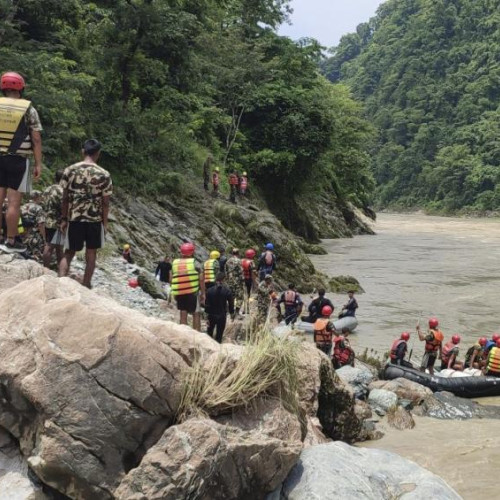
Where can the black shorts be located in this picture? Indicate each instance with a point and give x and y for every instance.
(90, 234)
(15, 173)
(187, 302)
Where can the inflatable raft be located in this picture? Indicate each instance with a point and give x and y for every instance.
(463, 386)
(303, 326)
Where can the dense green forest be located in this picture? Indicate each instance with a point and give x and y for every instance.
(164, 83)
(428, 72)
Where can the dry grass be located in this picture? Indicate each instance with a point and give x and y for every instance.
(267, 367)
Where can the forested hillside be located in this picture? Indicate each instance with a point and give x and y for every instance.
(164, 83)
(428, 72)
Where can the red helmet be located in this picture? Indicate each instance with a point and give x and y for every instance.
(405, 336)
(12, 81)
(433, 323)
(483, 341)
(495, 337)
(455, 339)
(498, 342)
(250, 253)
(326, 311)
(187, 249)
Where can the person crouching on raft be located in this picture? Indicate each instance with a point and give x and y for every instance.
(399, 349)
(449, 355)
(324, 330)
(342, 352)
(433, 345)
(492, 368)
(475, 355)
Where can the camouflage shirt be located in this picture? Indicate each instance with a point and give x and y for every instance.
(33, 120)
(234, 276)
(52, 205)
(32, 214)
(87, 184)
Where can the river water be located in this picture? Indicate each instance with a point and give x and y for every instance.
(414, 268)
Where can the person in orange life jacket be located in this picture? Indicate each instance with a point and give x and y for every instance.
(342, 352)
(324, 330)
(218, 301)
(233, 185)
(349, 309)
(433, 345)
(316, 306)
(249, 272)
(20, 139)
(215, 180)
(293, 304)
(267, 262)
(449, 355)
(475, 357)
(188, 286)
(399, 349)
(243, 184)
(492, 368)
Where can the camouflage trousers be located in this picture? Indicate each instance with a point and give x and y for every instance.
(35, 244)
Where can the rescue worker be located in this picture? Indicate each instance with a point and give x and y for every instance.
(316, 306)
(243, 184)
(215, 181)
(206, 171)
(249, 276)
(233, 186)
(52, 206)
(433, 345)
(211, 269)
(234, 278)
(188, 286)
(218, 302)
(324, 331)
(127, 253)
(20, 139)
(265, 294)
(475, 355)
(492, 342)
(399, 349)
(222, 260)
(449, 355)
(293, 304)
(342, 352)
(33, 218)
(163, 274)
(492, 367)
(349, 308)
(267, 261)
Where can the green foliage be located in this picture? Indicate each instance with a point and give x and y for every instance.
(428, 73)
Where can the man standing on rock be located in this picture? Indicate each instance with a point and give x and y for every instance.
(219, 300)
(87, 189)
(235, 278)
(20, 139)
(52, 206)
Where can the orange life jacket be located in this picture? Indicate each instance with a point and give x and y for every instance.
(394, 348)
(321, 334)
(434, 344)
(247, 265)
(215, 179)
(447, 351)
(243, 182)
(233, 179)
(341, 352)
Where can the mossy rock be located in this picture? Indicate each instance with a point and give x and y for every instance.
(342, 284)
(150, 286)
(312, 249)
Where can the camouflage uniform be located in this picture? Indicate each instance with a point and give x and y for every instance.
(86, 183)
(32, 215)
(264, 291)
(234, 279)
(52, 206)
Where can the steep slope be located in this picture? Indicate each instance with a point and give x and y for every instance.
(429, 75)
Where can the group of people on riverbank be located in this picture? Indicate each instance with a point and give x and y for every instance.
(483, 355)
(238, 182)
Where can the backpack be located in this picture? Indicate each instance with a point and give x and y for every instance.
(269, 258)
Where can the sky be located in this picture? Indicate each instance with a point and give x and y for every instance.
(327, 20)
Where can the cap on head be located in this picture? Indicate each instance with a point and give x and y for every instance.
(405, 336)
(433, 323)
(456, 339)
(91, 147)
(483, 341)
(326, 311)
(214, 254)
(269, 246)
(12, 81)
(187, 249)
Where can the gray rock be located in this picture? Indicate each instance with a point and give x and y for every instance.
(400, 419)
(339, 471)
(381, 400)
(359, 377)
(405, 389)
(446, 406)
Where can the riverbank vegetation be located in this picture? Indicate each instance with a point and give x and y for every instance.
(428, 74)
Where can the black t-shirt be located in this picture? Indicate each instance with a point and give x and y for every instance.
(218, 299)
(163, 269)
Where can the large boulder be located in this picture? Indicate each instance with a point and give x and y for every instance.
(337, 470)
(86, 387)
(14, 269)
(359, 378)
(404, 389)
(205, 460)
(381, 401)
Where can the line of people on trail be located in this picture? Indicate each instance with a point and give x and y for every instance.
(69, 215)
(483, 355)
(238, 183)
